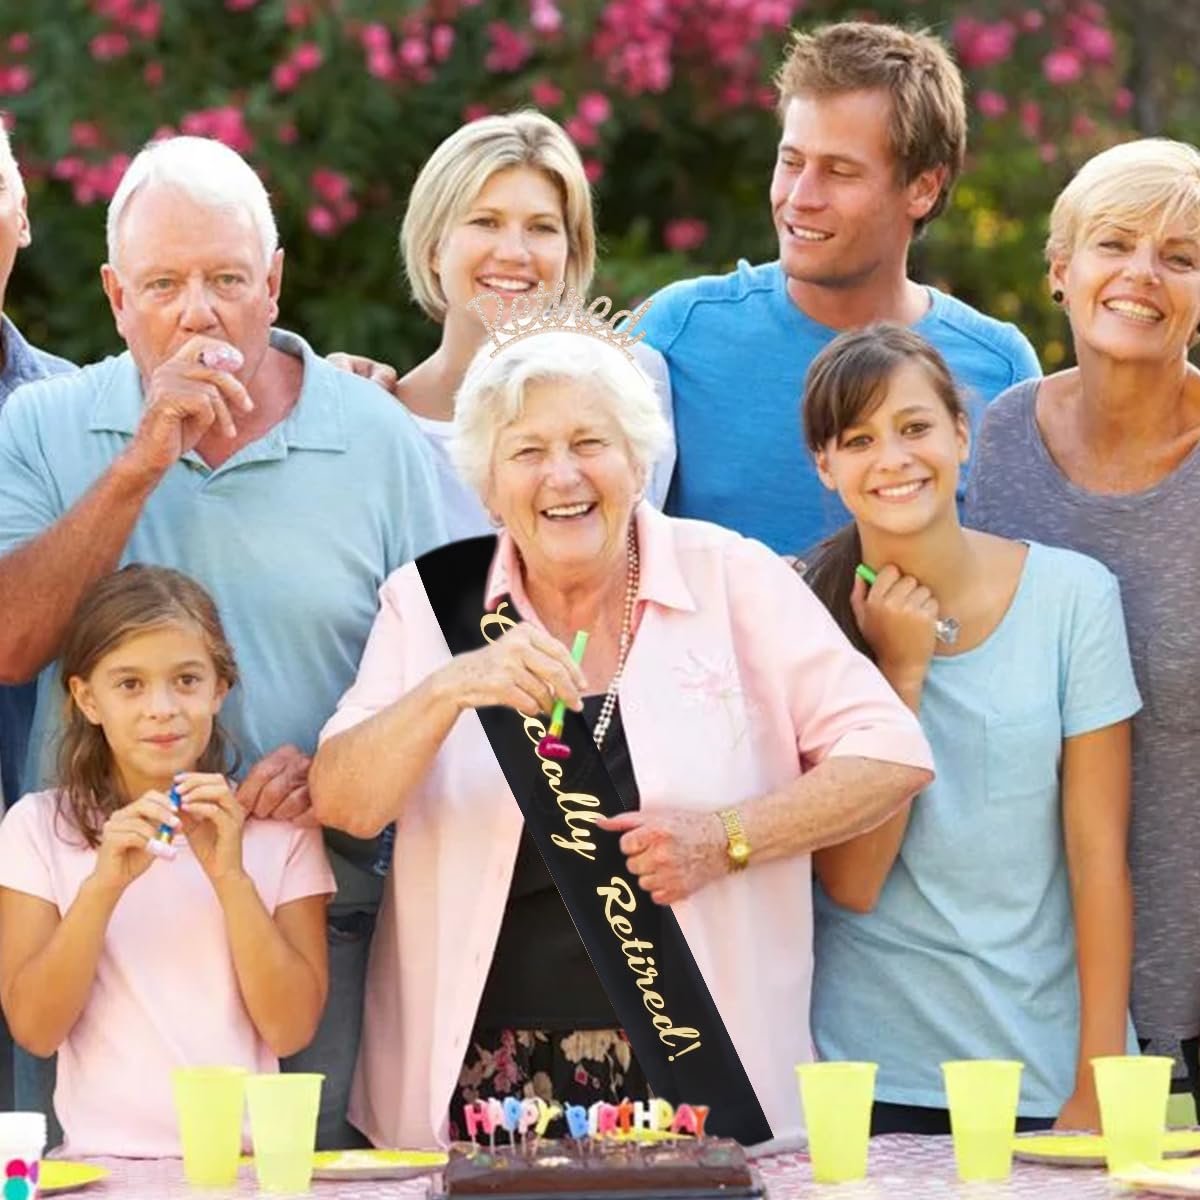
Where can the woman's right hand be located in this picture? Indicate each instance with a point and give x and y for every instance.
(526, 669)
(122, 855)
(898, 617)
(366, 368)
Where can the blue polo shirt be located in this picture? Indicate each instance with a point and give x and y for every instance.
(738, 348)
(23, 363)
(293, 536)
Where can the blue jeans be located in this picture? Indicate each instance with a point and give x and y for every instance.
(334, 1050)
(33, 1088)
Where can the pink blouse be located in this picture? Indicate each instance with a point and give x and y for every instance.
(738, 680)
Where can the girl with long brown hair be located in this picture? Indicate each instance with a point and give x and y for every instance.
(946, 933)
(145, 923)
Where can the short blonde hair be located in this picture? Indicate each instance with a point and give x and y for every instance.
(928, 123)
(457, 172)
(1146, 184)
(492, 396)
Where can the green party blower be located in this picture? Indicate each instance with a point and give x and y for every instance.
(945, 629)
(552, 745)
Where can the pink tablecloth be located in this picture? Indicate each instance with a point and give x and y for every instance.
(901, 1167)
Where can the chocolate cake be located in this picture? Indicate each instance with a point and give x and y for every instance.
(605, 1167)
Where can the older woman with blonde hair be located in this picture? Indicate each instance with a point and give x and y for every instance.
(634, 918)
(501, 206)
(1102, 458)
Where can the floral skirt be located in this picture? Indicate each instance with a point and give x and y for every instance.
(569, 1066)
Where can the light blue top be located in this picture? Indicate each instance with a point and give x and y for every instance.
(293, 535)
(738, 349)
(970, 952)
(23, 363)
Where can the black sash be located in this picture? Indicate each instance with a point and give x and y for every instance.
(636, 946)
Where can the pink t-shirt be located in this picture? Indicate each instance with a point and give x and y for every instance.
(165, 993)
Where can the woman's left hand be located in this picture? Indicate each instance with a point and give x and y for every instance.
(672, 853)
(1081, 1111)
(212, 823)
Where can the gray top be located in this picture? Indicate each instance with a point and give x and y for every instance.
(1147, 539)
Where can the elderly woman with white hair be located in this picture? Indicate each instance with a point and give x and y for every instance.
(502, 206)
(1102, 458)
(720, 729)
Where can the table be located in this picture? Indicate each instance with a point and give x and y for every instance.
(902, 1167)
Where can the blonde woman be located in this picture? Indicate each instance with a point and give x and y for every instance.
(502, 206)
(1102, 458)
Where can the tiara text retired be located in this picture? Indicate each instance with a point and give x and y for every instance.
(550, 312)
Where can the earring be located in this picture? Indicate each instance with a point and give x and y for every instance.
(1057, 296)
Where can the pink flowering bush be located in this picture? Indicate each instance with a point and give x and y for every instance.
(338, 102)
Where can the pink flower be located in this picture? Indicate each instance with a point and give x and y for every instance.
(581, 133)
(1122, 101)
(684, 233)
(510, 50)
(545, 19)
(17, 80)
(1032, 20)
(1082, 126)
(285, 76)
(413, 52)
(982, 44)
(1031, 119)
(1048, 152)
(544, 93)
(152, 73)
(991, 104)
(68, 167)
(227, 124)
(381, 64)
(441, 41)
(287, 133)
(1094, 42)
(297, 15)
(375, 37)
(473, 112)
(19, 43)
(593, 169)
(1062, 66)
(595, 108)
(106, 46)
(347, 211)
(330, 186)
(147, 20)
(321, 221)
(85, 134)
(307, 57)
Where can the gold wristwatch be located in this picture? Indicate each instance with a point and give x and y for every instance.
(737, 849)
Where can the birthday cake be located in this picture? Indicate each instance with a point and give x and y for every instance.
(691, 1167)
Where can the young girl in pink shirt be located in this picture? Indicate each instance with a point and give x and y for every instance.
(127, 953)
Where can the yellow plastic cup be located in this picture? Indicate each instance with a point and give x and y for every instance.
(210, 1102)
(982, 1095)
(283, 1120)
(837, 1099)
(1133, 1092)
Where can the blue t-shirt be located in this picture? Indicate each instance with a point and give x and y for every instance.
(738, 349)
(970, 951)
(293, 536)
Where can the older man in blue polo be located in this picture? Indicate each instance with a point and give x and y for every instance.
(224, 447)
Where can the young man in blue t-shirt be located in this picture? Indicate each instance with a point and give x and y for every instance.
(874, 130)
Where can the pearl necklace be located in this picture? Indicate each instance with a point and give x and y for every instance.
(631, 590)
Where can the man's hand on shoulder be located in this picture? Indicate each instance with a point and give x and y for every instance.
(189, 394)
(276, 787)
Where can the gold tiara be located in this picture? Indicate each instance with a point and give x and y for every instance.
(551, 312)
